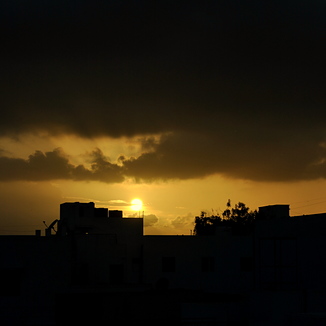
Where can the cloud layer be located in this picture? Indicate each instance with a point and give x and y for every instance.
(236, 88)
(169, 160)
(55, 165)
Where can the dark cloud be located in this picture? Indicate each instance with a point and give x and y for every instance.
(101, 169)
(55, 165)
(238, 87)
(280, 157)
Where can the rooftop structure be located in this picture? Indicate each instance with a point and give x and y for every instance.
(274, 211)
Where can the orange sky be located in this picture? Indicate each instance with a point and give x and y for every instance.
(181, 104)
(169, 206)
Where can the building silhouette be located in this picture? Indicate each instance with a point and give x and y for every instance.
(93, 265)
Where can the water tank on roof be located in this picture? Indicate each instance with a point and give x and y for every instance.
(101, 212)
(273, 211)
(76, 210)
(115, 213)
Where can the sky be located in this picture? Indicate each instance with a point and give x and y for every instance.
(182, 104)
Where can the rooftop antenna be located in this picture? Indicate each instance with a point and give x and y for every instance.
(50, 227)
(141, 214)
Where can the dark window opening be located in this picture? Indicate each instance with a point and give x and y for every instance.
(246, 264)
(79, 274)
(278, 267)
(168, 264)
(10, 281)
(207, 264)
(116, 274)
(136, 264)
(81, 211)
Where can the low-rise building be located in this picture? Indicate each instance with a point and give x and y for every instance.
(96, 266)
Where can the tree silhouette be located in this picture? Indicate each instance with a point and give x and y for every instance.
(205, 225)
(240, 219)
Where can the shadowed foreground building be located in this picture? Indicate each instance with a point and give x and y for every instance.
(98, 267)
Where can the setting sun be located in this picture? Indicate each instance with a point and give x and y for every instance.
(136, 204)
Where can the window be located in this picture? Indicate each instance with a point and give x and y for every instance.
(81, 211)
(10, 281)
(207, 264)
(116, 274)
(136, 265)
(246, 264)
(168, 264)
(79, 273)
(278, 263)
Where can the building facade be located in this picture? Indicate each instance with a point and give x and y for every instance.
(95, 265)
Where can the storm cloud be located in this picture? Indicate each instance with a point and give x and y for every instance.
(235, 88)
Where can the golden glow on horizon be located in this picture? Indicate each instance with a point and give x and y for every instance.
(136, 204)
